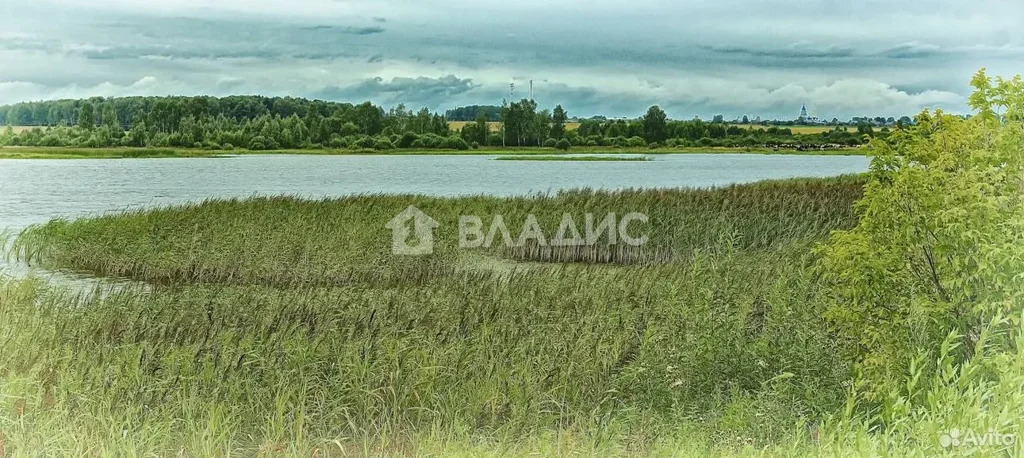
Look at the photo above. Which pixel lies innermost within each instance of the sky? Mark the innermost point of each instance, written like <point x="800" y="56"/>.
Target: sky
<point x="766" y="58"/>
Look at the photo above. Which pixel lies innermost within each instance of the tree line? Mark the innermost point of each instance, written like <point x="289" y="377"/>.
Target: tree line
<point x="264" y="123"/>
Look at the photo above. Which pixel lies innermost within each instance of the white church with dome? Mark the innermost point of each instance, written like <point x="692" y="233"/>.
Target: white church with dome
<point x="805" y="119"/>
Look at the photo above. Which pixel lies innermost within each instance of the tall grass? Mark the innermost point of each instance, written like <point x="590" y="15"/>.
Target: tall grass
<point x="287" y="241"/>
<point x="284" y="326"/>
<point x="619" y="355"/>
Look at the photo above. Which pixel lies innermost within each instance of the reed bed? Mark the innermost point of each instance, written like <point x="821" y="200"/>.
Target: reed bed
<point x="623" y="353"/>
<point x="281" y="326"/>
<point x="287" y="241"/>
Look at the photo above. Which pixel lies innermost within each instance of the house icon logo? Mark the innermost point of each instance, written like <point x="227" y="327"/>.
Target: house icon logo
<point x="422" y="232"/>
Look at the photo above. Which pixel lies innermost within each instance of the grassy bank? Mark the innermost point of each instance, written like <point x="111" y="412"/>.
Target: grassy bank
<point x="494" y="126"/>
<point x="26" y="152"/>
<point x="17" y="152"/>
<point x="530" y="157"/>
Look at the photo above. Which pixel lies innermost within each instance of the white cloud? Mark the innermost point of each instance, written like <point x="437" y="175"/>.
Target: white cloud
<point x="23" y="91"/>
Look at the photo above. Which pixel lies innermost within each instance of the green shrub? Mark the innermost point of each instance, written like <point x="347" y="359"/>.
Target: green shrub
<point x="938" y="249"/>
<point x="382" y="143"/>
<point x="406" y="140"/>
<point x="363" y="141"/>
<point x="456" y="142"/>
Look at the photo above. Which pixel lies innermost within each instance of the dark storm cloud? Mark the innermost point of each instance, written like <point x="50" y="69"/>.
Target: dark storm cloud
<point x="419" y="91"/>
<point x="23" y="44"/>
<point x="347" y="29"/>
<point x="228" y="39"/>
<point x="797" y="51"/>
<point x="911" y="51"/>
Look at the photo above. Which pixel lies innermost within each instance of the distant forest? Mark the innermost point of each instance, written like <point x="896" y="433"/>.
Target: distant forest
<point x="264" y="123"/>
<point x="470" y="112"/>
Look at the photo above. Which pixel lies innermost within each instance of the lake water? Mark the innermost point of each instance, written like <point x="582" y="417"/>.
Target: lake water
<point x="35" y="191"/>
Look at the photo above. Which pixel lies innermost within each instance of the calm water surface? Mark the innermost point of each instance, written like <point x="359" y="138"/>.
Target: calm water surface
<point x="35" y="191"/>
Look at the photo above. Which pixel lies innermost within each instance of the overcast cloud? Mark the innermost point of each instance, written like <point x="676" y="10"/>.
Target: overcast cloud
<point x="764" y="58"/>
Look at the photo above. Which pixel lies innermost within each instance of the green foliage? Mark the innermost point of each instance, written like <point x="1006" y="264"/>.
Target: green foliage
<point x="558" y="119"/>
<point x="457" y="143"/>
<point x="300" y="123"/>
<point x="287" y="324"/>
<point x="940" y="243"/>
<point x="7" y="137"/>
<point x="472" y="112"/>
<point x="655" y="125"/>
<point x="563" y="144"/>
<point x="382" y="143"/>
<point x="86" y="117"/>
<point x="406" y="140"/>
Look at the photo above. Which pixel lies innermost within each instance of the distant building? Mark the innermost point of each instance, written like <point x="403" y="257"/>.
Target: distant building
<point x="805" y="119"/>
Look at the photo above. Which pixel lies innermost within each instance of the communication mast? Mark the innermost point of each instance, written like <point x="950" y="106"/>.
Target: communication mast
<point x="531" y="89"/>
<point x="511" y="91"/>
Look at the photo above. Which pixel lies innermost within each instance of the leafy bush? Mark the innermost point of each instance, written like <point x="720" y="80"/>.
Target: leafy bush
<point x="337" y="141"/>
<point x="456" y="142"/>
<point x="406" y="140"/>
<point x="563" y="144"/>
<point x="258" y="143"/>
<point x="939" y="245"/>
<point x="382" y="143"/>
<point x="362" y="141"/>
<point x="636" y="142"/>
